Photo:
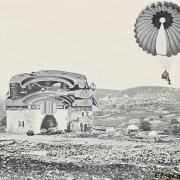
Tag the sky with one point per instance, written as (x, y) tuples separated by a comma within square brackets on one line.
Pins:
[(92, 37)]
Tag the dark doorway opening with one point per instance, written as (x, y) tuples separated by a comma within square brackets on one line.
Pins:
[(49, 122), (81, 127), (85, 127)]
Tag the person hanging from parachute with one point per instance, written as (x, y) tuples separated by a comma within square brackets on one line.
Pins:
[(165, 75), (157, 31)]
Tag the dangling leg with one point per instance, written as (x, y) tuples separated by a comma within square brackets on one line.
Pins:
[(169, 81)]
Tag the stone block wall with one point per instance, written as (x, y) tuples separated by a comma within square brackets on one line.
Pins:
[(20, 121), (80, 116), (61, 118)]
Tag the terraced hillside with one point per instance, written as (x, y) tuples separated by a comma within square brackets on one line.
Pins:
[(118, 107)]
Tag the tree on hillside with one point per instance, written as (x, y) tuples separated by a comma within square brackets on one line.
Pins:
[(145, 125), (175, 128), (166, 131), (3, 122), (174, 121), (160, 116)]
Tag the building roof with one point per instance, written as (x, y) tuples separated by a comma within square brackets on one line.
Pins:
[(63, 88), (153, 133), (132, 127), (73, 78)]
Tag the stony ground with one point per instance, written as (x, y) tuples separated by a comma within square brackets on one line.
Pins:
[(69, 157)]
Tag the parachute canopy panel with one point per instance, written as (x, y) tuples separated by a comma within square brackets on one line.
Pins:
[(148, 24)]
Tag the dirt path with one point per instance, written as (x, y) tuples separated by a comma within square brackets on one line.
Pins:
[(66, 140)]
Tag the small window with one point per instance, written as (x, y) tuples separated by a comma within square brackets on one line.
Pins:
[(33, 107), (19, 123), (82, 114)]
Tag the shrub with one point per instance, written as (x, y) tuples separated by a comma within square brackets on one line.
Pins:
[(174, 121), (145, 125), (166, 132), (175, 129), (3, 121), (52, 132), (160, 116)]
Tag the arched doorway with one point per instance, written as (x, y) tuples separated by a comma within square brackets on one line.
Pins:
[(85, 127), (49, 122), (81, 127)]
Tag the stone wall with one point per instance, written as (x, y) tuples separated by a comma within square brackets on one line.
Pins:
[(20, 121), (80, 116), (61, 118)]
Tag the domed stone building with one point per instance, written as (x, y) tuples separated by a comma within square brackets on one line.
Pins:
[(47, 100)]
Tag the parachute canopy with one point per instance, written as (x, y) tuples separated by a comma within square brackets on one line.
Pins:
[(149, 23)]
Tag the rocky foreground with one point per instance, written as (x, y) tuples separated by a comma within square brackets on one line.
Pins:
[(68, 158)]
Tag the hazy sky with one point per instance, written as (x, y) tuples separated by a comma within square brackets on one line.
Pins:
[(92, 37)]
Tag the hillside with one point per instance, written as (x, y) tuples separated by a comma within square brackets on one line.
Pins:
[(119, 107)]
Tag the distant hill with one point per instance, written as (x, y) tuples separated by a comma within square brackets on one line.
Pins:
[(119, 107), (153, 90), (136, 90), (144, 95)]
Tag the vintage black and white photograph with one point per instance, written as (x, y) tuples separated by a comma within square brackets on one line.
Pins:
[(89, 90)]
